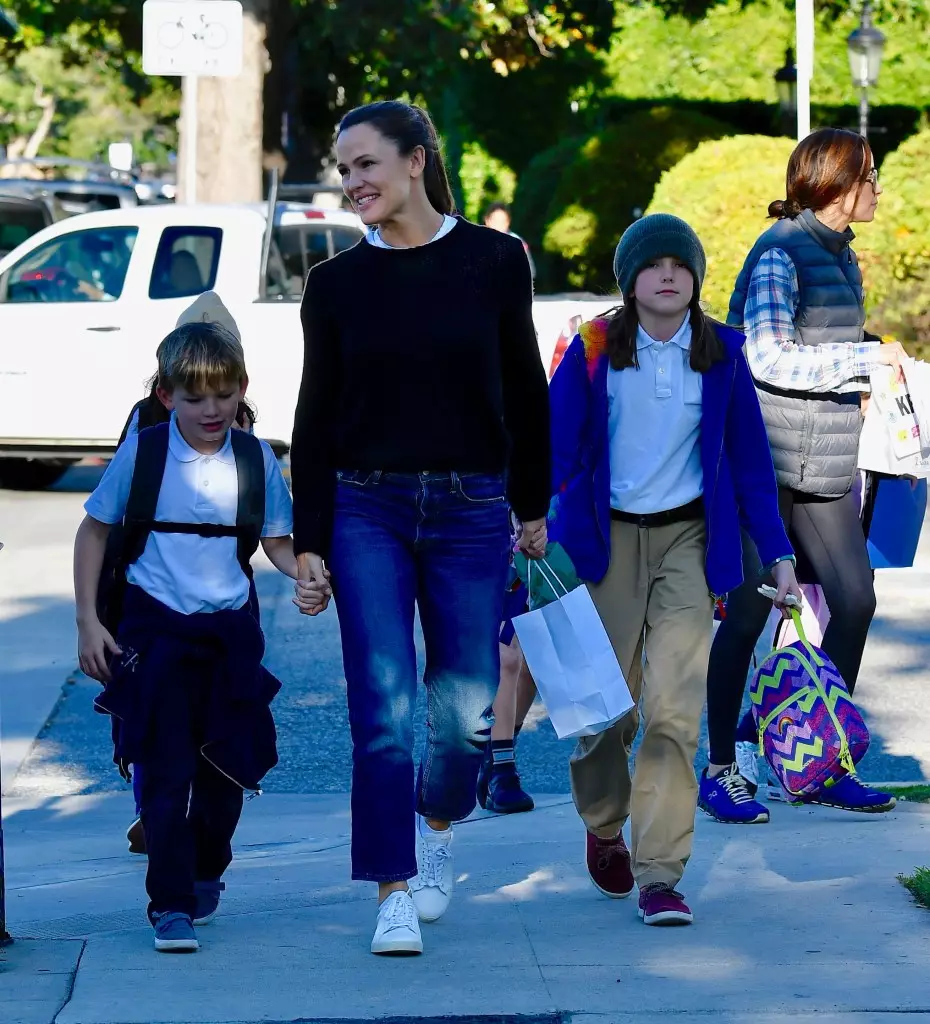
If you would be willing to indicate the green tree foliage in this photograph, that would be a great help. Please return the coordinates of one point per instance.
(895, 249)
(610, 182)
(535, 187)
(733, 51)
(70, 84)
(485, 179)
(723, 190)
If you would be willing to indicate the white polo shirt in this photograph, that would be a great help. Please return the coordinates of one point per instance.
(186, 572)
(654, 423)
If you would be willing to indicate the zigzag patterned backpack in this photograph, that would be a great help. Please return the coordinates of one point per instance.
(809, 729)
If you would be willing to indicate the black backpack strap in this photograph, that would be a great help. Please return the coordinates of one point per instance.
(147, 475)
(250, 512)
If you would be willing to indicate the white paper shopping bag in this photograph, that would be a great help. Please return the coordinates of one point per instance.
(570, 657)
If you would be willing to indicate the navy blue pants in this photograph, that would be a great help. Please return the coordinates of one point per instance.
(189, 810)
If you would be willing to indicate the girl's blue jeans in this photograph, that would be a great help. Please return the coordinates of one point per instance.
(438, 542)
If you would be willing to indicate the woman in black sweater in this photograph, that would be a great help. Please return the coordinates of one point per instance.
(422, 418)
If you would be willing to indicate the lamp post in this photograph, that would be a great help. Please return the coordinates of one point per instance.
(865, 46)
(786, 83)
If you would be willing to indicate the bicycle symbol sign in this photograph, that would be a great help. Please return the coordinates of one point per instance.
(192, 37)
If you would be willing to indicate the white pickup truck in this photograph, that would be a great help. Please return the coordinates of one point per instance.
(85, 302)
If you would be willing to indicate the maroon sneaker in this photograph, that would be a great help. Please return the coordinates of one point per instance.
(609, 865)
(660, 904)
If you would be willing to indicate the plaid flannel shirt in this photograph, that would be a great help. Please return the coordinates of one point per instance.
(774, 356)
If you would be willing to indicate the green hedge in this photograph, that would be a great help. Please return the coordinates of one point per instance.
(531, 202)
(484, 180)
(610, 182)
(723, 190)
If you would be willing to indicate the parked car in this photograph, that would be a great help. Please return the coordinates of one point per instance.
(21, 217)
(75, 186)
(85, 302)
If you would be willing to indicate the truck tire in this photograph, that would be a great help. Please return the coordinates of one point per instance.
(32, 474)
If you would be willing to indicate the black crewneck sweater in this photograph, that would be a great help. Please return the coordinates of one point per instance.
(420, 359)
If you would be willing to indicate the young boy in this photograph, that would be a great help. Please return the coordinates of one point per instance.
(183, 679)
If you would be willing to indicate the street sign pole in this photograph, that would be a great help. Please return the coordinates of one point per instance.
(191, 39)
(189, 121)
(804, 28)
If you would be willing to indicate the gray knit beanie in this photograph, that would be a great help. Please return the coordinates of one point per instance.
(650, 238)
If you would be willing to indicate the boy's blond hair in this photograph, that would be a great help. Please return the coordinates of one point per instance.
(200, 357)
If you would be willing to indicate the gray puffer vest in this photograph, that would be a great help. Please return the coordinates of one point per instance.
(814, 437)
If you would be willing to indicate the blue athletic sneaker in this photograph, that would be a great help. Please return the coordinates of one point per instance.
(208, 900)
(726, 797)
(174, 933)
(851, 794)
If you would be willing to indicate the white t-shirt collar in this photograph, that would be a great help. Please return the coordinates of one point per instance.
(183, 452)
(373, 237)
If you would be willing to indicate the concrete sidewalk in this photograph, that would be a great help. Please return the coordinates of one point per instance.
(799, 918)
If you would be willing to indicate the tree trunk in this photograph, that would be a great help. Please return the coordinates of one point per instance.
(229, 129)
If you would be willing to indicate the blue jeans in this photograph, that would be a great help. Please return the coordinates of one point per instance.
(439, 541)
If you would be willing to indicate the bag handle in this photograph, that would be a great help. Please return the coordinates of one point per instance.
(538, 564)
(802, 636)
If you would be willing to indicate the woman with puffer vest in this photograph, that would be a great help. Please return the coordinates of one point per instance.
(799, 301)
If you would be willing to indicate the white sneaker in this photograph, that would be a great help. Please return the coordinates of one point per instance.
(747, 761)
(398, 930)
(432, 887)
(775, 791)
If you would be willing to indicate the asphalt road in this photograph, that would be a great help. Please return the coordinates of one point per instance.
(72, 754)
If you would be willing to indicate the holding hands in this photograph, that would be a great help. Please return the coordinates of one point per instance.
(532, 538)
(313, 589)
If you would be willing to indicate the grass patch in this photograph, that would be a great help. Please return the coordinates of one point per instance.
(918, 885)
(913, 794)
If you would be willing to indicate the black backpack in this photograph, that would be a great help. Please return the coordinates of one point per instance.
(127, 540)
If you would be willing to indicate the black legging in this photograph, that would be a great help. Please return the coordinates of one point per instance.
(829, 534)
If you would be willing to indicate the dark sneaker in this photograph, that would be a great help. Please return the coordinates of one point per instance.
(659, 903)
(850, 794)
(208, 900)
(136, 836)
(174, 933)
(610, 866)
(726, 797)
(499, 789)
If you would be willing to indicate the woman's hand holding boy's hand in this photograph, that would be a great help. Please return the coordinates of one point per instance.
(533, 538)
(313, 588)
(94, 642)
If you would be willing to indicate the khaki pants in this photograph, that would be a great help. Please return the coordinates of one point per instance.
(653, 598)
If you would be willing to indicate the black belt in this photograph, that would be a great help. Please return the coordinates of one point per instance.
(683, 514)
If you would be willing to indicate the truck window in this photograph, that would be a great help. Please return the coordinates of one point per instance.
(186, 262)
(295, 248)
(17, 223)
(82, 266)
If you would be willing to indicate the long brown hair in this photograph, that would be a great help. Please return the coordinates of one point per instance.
(408, 126)
(623, 325)
(826, 165)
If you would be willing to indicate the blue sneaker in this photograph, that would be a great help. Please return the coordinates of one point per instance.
(851, 794)
(208, 900)
(726, 797)
(174, 933)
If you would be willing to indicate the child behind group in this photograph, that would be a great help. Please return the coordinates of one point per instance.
(659, 453)
(183, 677)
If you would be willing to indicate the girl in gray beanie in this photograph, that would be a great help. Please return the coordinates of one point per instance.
(659, 452)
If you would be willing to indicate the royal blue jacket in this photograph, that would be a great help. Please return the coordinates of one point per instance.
(739, 481)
